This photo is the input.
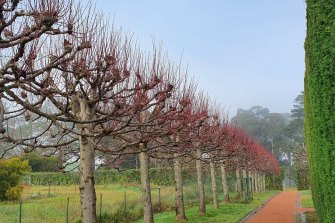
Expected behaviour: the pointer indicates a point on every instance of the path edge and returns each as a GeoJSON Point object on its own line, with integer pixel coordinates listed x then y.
{"type": "Point", "coordinates": [253, 212]}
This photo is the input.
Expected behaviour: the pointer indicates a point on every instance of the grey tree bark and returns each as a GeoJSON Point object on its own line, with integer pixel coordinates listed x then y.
{"type": "Point", "coordinates": [86, 181]}
{"type": "Point", "coordinates": [84, 112]}
{"type": "Point", "coordinates": [213, 180]}
{"type": "Point", "coordinates": [244, 176]}
{"type": "Point", "coordinates": [226, 197]}
{"type": "Point", "coordinates": [254, 181]}
{"type": "Point", "coordinates": [201, 187]}
{"type": "Point", "coordinates": [179, 196]}
{"type": "Point", "coordinates": [259, 181]}
{"type": "Point", "coordinates": [251, 186]}
{"type": "Point", "coordinates": [238, 183]}
{"type": "Point", "coordinates": [145, 182]}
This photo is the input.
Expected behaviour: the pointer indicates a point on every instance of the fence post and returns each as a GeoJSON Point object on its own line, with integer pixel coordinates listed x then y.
{"type": "Point", "coordinates": [100, 206]}
{"type": "Point", "coordinates": [159, 197]}
{"type": "Point", "coordinates": [67, 210]}
{"type": "Point", "coordinates": [20, 212]}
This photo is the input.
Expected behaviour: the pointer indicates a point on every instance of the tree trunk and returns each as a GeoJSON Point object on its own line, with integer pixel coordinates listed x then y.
{"type": "Point", "coordinates": [251, 187]}
{"type": "Point", "coordinates": [179, 196]}
{"type": "Point", "coordinates": [146, 191]}
{"type": "Point", "coordinates": [86, 181]}
{"type": "Point", "coordinates": [254, 181]}
{"type": "Point", "coordinates": [238, 183]}
{"type": "Point", "coordinates": [259, 176]}
{"type": "Point", "coordinates": [201, 188]}
{"type": "Point", "coordinates": [85, 112]}
{"type": "Point", "coordinates": [214, 188]}
{"type": "Point", "coordinates": [61, 158]}
{"type": "Point", "coordinates": [224, 184]}
{"type": "Point", "coordinates": [2, 117]}
{"type": "Point", "coordinates": [263, 180]}
{"type": "Point", "coordinates": [244, 182]}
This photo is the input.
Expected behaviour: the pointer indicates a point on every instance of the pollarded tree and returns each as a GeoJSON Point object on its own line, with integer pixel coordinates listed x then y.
{"type": "Point", "coordinates": [88, 75]}
{"type": "Point", "coordinates": [180, 146]}
{"type": "Point", "coordinates": [149, 129]}
{"type": "Point", "coordinates": [212, 140]}
{"type": "Point", "coordinates": [220, 153]}
{"type": "Point", "coordinates": [27, 28]}
{"type": "Point", "coordinates": [201, 139]}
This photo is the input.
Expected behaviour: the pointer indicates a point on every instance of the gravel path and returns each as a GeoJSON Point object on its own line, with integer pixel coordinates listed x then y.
{"type": "Point", "coordinates": [280, 209]}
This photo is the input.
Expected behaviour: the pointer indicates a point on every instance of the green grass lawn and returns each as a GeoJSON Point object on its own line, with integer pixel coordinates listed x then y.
{"type": "Point", "coordinates": [40, 207]}
{"type": "Point", "coordinates": [306, 199]}
{"type": "Point", "coordinates": [231, 213]}
{"type": "Point", "coordinates": [307, 202]}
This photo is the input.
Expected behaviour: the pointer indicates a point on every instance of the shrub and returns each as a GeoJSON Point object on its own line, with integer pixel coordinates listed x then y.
{"type": "Point", "coordinates": [14, 193]}
{"type": "Point", "coordinates": [11, 171]}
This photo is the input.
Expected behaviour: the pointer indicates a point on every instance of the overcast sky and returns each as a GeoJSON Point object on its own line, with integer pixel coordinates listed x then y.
{"type": "Point", "coordinates": [242, 52]}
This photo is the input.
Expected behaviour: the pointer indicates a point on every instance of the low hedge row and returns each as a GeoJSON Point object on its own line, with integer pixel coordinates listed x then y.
{"type": "Point", "coordinates": [159, 176]}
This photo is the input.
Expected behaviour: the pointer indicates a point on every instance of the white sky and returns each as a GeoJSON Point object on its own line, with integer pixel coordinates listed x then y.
{"type": "Point", "coordinates": [242, 52]}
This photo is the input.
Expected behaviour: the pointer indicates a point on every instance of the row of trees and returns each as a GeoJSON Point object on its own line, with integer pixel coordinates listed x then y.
{"type": "Point", "coordinates": [88, 93]}
{"type": "Point", "coordinates": [283, 135]}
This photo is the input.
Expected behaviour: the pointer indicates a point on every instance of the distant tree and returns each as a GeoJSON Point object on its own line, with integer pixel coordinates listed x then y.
{"type": "Point", "coordinates": [295, 132]}
{"type": "Point", "coordinates": [295, 129]}
{"type": "Point", "coordinates": [264, 126]}
{"type": "Point", "coordinates": [42, 164]}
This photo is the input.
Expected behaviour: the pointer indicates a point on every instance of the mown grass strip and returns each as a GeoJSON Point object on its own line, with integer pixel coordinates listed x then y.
{"type": "Point", "coordinates": [229, 213]}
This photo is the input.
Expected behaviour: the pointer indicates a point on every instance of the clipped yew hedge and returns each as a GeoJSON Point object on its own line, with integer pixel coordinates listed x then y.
{"type": "Point", "coordinates": [320, 105]}
{"type": "Point", "coordinates": [159, 176]}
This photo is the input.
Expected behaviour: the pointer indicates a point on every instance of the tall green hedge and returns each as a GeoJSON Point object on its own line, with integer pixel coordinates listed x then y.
{"type": "Point", "coordinates": [320, 105]}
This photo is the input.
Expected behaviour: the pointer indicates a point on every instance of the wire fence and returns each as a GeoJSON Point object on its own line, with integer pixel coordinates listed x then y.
{"type": "Point", "coordinates": [55, 203]}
